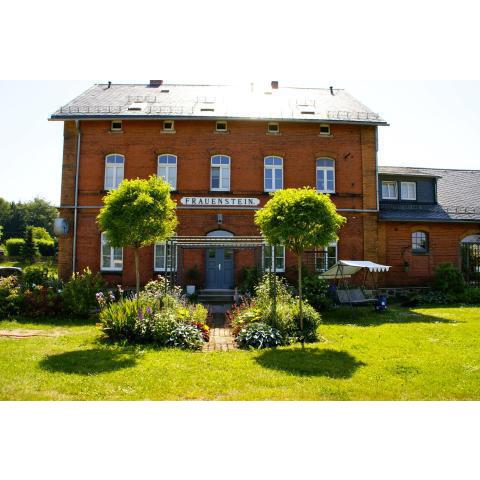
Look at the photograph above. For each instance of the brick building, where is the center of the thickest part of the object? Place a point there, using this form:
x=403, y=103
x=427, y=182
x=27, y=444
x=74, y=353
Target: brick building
x=223, y=149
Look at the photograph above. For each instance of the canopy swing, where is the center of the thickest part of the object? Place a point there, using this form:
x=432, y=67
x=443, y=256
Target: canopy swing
x=343, y=270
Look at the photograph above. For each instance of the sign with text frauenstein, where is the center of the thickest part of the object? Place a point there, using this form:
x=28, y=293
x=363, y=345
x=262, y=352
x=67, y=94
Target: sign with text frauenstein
x=219, y=202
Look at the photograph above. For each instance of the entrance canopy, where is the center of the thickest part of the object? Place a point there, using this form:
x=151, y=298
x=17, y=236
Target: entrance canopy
x=347, y=268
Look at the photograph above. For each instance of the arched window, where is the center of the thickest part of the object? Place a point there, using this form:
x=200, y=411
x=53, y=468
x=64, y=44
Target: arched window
x=273, y=173
x=111, y=257
x=220, y=173
x=475, y=238
x=167, y=169
x=419, y=242
x=326, y=175
x=114, y=168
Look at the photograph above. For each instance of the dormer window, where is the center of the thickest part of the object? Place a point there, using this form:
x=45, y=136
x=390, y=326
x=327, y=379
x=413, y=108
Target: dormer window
x=273, y=127
x=389, y=190
x=116, y=126
x=168, y=126
x=221, y=127
x=324, y=129
x=408, y=190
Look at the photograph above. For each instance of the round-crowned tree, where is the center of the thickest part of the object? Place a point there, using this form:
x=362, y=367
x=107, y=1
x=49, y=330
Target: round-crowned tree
x=137, y=214
x=299, y=219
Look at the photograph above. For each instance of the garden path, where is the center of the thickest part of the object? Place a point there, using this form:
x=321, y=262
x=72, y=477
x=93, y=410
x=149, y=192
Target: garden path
x=221, y=338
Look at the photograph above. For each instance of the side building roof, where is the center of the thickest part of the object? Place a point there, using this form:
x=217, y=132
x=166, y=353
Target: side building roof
x=179, y=101
x=458, y=196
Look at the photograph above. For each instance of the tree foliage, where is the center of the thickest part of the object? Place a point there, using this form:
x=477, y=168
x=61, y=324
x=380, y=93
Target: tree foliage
x=139, y=213
x=299, y=218
x=29, y=250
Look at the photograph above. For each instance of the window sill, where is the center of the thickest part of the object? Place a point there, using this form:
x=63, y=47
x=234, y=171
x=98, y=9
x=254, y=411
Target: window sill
x=274, y=134
x=168, y=131
x=325, y=135
x=111, y=272
x=420, y=253
x=326, y=192
x=220, y=191
x=116, y=131
x=218, y=132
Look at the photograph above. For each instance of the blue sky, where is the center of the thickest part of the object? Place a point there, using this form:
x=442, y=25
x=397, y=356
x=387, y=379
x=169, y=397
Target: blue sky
x=432, y=124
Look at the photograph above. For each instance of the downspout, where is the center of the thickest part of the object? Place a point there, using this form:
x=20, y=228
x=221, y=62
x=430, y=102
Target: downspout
x=75, y=207
x=376, y=170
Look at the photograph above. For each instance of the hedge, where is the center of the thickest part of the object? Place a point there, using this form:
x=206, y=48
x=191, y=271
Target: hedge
x=46, y=248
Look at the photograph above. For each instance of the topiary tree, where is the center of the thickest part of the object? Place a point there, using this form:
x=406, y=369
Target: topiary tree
x=29, y=250
x=299, y=219
x=139, y=213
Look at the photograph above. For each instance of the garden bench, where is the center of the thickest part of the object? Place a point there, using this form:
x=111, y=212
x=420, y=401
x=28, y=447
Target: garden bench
x=354, y=296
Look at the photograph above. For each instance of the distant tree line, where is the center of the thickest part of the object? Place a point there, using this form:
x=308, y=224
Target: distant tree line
x=15, y=217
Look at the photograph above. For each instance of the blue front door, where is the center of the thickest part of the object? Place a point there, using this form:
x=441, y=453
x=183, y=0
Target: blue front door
x=219, y=268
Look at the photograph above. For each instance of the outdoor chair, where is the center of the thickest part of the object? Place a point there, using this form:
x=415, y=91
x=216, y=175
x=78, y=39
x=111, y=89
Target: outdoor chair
x=354, y=296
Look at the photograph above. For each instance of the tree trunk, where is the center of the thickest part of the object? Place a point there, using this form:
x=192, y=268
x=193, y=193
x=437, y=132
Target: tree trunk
x=137, y=271
x=300, y=300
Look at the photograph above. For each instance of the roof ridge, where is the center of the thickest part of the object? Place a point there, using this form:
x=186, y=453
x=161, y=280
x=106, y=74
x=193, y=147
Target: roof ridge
x=433, y=168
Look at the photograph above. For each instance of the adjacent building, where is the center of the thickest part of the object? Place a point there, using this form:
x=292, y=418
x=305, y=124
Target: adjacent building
x=224, y=150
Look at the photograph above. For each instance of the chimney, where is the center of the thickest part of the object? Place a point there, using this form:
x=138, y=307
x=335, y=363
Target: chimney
x=274, y=85
x=156, y=83
x=331, y=91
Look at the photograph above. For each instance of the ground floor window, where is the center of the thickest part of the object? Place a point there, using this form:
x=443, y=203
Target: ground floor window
x=278, y=252
x=164, y=256
x=112, y=257
x=326, y=257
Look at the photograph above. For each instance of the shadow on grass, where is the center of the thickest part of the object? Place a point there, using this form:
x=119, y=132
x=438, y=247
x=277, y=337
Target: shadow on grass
x=367, y=317
x=61, y=321
x=88, y=362
x=311, y=362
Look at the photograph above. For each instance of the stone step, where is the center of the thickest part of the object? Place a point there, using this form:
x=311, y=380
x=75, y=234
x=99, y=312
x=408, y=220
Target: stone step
x=216, y=296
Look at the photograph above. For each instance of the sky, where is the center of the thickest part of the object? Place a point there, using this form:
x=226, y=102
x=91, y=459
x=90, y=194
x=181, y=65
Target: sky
x=432, y=124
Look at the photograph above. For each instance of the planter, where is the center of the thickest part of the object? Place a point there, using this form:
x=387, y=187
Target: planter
x=190, y=289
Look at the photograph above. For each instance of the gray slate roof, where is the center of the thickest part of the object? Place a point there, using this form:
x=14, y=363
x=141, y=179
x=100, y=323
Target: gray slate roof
x=217, y=101
x=458, y=195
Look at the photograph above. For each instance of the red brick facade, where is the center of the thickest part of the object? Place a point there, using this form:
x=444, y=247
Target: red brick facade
x=353, y=147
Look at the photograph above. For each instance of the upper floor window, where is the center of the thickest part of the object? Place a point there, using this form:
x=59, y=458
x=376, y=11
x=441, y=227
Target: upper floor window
x=116, y=126
x=277, y=252
x=167, y=169
x=273, y=173
x=221, y=127
x=420, y=242
x=168, y=126
x=165, y=257
x=324, y=129
x=326, y=175
x=273, y=127
x=326, y=257
x=408, y=190
x=114, y=167
x=111, y=257
x=389, y=190
x=220, y=173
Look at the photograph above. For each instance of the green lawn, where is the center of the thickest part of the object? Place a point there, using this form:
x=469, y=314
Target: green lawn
x=405, y=354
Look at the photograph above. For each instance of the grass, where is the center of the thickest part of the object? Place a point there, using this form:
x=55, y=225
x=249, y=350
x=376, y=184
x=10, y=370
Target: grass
x=404, y=354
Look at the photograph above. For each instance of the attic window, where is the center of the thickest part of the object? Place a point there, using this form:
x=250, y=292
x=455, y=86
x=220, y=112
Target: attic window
x=221, y=127
x=273, y=127
x=324, y=129
x=168, y=126
x=116, y=126
x=207, y=109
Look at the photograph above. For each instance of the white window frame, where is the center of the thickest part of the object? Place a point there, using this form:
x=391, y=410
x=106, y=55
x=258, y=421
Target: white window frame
x=165, y=129
x=116, y=167
x=224, y=172
x=220, y=130
x=324, y=253
x=276, y=131
x=115, y=129
x=395, y=188
x=162, y=246
x=325, y=125
x=323, y=170
x=170, y=170
x=282, y=256
x=116, y=265
x=273, y=168
x=405, y=195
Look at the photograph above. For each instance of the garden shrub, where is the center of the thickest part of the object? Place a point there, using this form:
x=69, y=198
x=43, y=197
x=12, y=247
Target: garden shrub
x=40, y=301
x=40, y=233
x=37, y=275
x=316, y=292
x=9, y=290
x=251, y=277
x=448, y=279
x=80, y=292
x=46, y=248
x=29, y=249
x=259, y=335
x=14, y=246
x=185, y=336
x=470, y=296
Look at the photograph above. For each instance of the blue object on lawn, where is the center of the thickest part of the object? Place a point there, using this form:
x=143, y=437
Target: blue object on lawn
x=381, y=303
